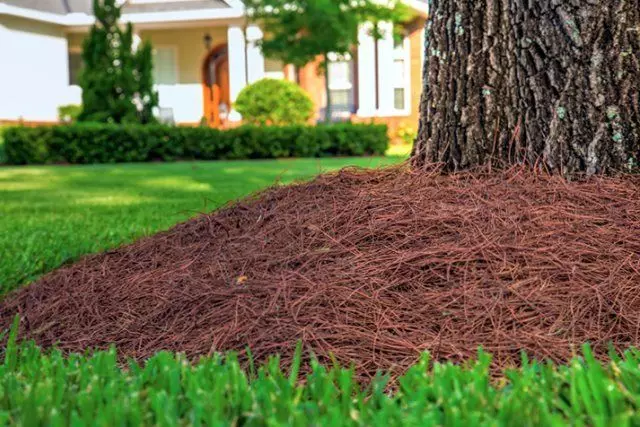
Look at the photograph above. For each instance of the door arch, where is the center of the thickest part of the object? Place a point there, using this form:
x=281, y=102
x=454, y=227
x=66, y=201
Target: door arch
x=215, y=84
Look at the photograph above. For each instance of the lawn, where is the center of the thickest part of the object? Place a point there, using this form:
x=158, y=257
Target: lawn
x=53, y=214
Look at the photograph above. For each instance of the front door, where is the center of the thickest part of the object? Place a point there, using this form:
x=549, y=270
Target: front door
x=216, y=86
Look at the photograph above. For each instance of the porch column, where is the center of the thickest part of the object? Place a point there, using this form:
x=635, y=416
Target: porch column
x=237, y=67
x=290, y=72
x=137, y=39
x=385, y=70
x=366, y=72
x=255, y=59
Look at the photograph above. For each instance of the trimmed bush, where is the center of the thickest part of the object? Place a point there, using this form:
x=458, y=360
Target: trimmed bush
x=24, y=145
x=105, y=143
x=274, y=102
x=69, y=113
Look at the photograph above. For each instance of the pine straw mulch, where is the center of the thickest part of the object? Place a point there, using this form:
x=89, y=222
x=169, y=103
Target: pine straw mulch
x=372, y=267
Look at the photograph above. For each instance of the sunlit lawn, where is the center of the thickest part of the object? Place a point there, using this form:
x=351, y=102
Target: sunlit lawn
x=53, y=214
x=399, y=150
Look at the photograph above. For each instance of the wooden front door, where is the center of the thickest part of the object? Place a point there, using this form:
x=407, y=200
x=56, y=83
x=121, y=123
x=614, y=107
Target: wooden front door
x=215, y=84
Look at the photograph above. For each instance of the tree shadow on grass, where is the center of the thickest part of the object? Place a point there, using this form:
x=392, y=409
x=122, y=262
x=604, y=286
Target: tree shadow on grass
x=54, y=214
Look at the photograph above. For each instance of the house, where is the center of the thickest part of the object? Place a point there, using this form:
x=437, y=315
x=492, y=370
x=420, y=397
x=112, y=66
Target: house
x=205, y=53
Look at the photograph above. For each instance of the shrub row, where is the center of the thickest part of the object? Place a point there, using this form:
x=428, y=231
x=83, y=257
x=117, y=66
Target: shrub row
x=100, y=143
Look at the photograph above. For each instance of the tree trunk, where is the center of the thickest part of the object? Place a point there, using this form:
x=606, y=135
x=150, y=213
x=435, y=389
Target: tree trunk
x=327, y=88
x=552, y=83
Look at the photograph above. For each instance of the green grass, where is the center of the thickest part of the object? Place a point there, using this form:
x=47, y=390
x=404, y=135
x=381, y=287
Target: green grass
x=403, y=150
x=53, y=214
x=39, y=388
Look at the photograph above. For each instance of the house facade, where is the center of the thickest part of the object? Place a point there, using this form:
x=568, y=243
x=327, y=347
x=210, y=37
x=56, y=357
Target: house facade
x=206, y=52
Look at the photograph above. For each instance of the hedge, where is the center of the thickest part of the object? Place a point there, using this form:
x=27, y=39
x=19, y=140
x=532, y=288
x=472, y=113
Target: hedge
x=101, y=143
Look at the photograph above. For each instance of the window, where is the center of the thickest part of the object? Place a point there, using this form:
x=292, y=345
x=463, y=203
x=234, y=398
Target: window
x=398, y=98
x=273, y=69
x=339, y=72
x=401, y=74
x=341, y=98
x=165, y=66
x=75, y=66
x=341, y=78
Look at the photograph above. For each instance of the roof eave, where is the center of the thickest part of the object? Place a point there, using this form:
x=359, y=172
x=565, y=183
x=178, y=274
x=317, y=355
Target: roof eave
x=182, y=16
x=47, y=17
x=236, y=10
x=235, y=4
x=83, y=19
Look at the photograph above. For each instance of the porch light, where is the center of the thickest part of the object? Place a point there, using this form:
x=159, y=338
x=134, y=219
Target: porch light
x=208, y=40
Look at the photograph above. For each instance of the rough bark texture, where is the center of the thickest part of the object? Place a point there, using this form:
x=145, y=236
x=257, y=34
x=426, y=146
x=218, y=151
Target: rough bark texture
x=554, y=83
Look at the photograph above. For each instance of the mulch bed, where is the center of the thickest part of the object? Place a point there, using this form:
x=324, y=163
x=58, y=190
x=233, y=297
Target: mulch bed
x=370, y=267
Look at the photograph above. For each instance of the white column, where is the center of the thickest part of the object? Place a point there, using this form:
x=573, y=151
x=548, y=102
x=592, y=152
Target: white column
x=366, y=72
x=137, y=40
x=255, y=59
x=290, y=72
x=385, y=70
x=237, y=66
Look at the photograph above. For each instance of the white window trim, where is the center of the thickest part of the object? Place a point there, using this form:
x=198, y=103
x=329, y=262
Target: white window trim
x=333, y=85
x=176, y=65
x=345, y=86
x=405, y=55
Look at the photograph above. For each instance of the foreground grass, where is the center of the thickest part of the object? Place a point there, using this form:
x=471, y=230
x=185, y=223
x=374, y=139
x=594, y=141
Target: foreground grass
x=53, y=214
x=39, y=388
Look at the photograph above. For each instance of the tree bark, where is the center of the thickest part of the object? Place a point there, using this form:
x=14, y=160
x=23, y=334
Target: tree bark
x=327, y=89
x=550, y=83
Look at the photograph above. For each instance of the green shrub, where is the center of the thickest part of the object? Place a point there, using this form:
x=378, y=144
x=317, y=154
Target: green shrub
x=69, y=113
x=3, y=156
x=116, y=79
x=107, y=143
x=27, y=145
x=406, y=133
x=274, y=102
